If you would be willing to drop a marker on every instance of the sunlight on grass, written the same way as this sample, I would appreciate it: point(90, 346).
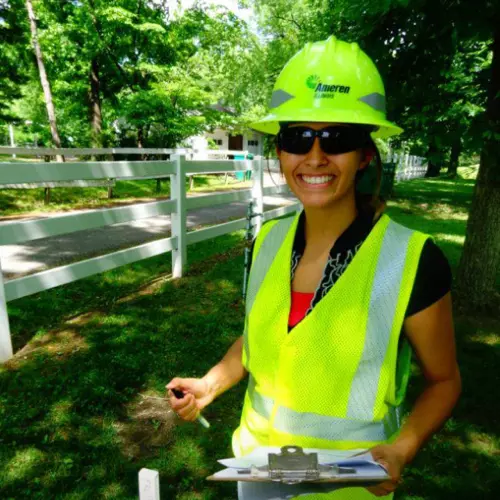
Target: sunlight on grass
point(185, 454)
point(450, 237)
point(22, 464)
point(469, 173)
point(226, 285)
point(491, 339)
point(116, 319)
point(482, 443)
point(112, 491)
point(60, 413)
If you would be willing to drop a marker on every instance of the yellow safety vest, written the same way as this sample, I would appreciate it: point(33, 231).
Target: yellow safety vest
point(337, 379)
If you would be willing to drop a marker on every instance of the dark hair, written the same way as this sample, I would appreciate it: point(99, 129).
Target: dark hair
point(371, 202)
point(367, 203)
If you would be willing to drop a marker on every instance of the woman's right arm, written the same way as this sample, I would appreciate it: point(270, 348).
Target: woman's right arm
point(200, 392)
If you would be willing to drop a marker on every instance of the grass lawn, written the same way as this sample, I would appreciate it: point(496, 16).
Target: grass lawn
point(81, 407)
point(25, 202)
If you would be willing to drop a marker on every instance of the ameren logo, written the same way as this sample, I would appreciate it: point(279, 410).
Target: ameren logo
point(325, 91)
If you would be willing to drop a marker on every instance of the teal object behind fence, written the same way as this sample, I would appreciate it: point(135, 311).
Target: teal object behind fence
point(241, 175)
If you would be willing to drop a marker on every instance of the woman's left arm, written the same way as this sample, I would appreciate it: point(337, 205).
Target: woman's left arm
point(431, 334)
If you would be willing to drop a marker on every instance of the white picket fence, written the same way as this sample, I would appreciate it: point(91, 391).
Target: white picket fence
point(407, 166)
point(177, 168)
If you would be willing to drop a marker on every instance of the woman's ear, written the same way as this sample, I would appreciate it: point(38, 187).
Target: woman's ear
point(368, 155)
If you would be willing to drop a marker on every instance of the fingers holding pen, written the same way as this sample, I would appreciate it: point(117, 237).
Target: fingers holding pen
point(185, 407)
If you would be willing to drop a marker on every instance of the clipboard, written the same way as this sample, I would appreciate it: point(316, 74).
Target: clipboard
point(291, 465)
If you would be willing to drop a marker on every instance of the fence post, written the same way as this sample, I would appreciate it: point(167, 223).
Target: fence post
point(257, 192)
point(178, 193)
point(46, 199)
point(149, 484)
point(5, 339)
point(12, 141)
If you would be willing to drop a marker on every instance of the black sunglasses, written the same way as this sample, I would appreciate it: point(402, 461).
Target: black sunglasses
point(333, 140)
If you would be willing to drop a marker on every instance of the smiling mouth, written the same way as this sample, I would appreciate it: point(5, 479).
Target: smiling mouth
point(315, 180)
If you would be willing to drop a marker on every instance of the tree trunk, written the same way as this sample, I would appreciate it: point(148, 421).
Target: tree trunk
point(140, 137)
point(95, 104)
point(433, 161)
point(480, 262)
point(43, 78)
point(456, 149)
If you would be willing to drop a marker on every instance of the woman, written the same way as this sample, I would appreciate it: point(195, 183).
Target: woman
point(338, 294)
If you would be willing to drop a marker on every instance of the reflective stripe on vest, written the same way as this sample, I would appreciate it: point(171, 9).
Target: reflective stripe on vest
point(321, 426)
point(261, 404)
point(359, 424)
point(383, 301)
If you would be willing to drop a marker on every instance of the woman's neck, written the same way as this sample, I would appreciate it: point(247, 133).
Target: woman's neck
point(324, 225)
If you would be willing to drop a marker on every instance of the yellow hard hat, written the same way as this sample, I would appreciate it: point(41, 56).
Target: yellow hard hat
point(329, 81)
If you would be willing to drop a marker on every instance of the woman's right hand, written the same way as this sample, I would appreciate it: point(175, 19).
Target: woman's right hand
point(197, 395)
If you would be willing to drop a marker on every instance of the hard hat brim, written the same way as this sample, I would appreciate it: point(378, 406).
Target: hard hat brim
point(270, 123)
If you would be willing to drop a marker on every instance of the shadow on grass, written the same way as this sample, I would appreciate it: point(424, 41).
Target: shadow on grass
point(30, 315)
point(428, 191)
point(463, 460)
point(67, 405)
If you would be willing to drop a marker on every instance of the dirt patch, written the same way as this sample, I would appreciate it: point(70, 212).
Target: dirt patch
point(148, 427)
point(60, 343)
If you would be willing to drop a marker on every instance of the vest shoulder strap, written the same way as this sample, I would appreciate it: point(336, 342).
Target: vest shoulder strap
point(269, 240)
point(266, 229)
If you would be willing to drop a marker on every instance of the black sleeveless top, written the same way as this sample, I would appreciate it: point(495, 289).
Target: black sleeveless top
point(432, 281)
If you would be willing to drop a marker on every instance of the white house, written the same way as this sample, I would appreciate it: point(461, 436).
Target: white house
point(251, 142)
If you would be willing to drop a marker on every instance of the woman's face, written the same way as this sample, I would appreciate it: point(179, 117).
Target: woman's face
point(320, 180)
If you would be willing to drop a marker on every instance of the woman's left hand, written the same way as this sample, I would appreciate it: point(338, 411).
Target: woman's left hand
point(394, 462)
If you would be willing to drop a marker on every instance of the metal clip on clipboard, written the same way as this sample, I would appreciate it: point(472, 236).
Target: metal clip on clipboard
point(293, 466)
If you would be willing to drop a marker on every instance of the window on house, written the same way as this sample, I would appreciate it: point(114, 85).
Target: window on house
point(218, 142)
point(253, 143)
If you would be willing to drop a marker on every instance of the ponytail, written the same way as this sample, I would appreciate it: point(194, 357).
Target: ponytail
point(368, 202)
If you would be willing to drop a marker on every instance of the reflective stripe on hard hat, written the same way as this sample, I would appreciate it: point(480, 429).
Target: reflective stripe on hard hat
point(375, 100)
point(279, 97)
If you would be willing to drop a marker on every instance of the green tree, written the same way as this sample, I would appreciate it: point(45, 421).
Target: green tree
point(13, 55)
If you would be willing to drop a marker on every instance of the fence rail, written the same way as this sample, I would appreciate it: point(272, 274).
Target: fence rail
point(177, 168)
point(7, 150)
point(47, 153)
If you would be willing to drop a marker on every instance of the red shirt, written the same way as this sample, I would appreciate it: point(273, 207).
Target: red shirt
point(300, 304)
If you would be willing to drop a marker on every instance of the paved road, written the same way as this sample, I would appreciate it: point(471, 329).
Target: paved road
point(46, 253)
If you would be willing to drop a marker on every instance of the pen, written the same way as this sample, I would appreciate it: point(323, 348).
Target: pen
point(203, 421)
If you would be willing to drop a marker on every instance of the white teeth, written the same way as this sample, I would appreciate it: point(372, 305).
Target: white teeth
point(317, 179)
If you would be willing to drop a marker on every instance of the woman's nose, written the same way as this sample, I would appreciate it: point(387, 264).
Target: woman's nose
point(316, 156)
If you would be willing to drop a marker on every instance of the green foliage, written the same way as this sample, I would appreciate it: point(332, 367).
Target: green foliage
point(162, 75)
point(158, 76)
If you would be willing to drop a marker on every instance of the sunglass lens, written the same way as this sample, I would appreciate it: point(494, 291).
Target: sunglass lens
point(338, 140)
point(297, 140)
